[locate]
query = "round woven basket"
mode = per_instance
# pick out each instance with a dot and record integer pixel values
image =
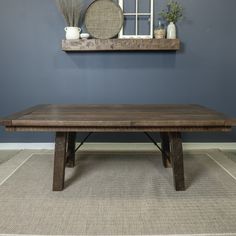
(104, 19)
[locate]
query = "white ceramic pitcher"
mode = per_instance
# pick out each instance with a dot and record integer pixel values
(72, 32)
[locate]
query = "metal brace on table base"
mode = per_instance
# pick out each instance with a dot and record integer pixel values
(161, 149)
(83, 141)
(71, 149)
(165, 154)
(146, 133)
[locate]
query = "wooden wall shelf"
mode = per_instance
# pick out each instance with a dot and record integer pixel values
(121, 45)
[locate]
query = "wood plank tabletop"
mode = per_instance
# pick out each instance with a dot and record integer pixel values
(118, 116)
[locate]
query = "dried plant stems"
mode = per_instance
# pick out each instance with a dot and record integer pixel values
(71, 10)
(174, 11)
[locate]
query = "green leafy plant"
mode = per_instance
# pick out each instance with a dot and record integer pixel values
(173, 13)
(71, 10)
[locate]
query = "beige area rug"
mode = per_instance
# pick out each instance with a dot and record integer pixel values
(6, 155)
(120, 194)
(231, 155)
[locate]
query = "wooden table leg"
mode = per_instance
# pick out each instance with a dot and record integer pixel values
(59, 161)
(176, 150)
(165, 145)
(71, 150)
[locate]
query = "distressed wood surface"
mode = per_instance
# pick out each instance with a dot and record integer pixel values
(59, 161)
(119, 117)
(8, 120)
(119, 129)
(71, 149)
(121, 45)
(165, 144)
(176, 151)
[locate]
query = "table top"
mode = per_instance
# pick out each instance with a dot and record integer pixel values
(118, 116)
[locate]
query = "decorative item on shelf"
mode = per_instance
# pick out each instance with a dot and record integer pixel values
(104, 19)
(138, 19)
(171, 31)
(173, 13)
(71, 10)
(160, 32)
(72, 33)
(84, 36)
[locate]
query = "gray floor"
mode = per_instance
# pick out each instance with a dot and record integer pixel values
(121, 193)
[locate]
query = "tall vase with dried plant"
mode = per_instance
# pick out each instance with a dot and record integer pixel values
(173, 13)
(71, 11)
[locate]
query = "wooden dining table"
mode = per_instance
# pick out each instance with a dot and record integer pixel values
(169, 120)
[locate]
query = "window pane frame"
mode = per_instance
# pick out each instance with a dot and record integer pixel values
(137, 14)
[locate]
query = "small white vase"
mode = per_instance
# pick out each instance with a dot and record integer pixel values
(72, 33)
(171, 31)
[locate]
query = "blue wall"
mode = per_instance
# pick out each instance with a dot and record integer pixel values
(34, 69)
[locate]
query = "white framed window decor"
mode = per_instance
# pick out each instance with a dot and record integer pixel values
(138, 19)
